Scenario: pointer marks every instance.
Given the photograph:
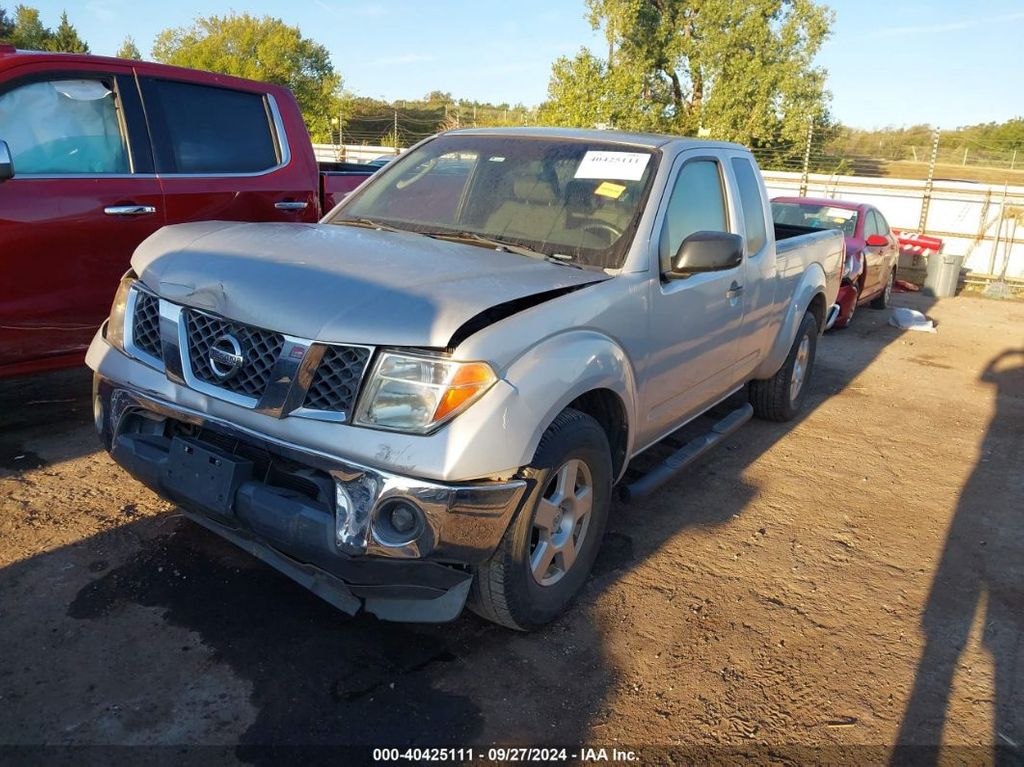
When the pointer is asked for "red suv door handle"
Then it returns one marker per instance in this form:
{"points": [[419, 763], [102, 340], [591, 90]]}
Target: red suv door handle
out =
{"points": [[289, 205], [129, 210]]}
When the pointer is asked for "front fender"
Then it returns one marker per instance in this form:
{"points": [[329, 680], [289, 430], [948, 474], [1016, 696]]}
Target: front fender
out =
{"points": [[552, 374], [810, 284]]}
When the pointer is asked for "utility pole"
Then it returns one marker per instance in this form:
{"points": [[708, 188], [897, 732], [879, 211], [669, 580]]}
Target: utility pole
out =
{"points": [[396, 132], [807, 159], [999, 231], [926, 199]]}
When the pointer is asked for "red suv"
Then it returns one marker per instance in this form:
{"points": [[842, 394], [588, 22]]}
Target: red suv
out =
{"points": [[96, 154]]}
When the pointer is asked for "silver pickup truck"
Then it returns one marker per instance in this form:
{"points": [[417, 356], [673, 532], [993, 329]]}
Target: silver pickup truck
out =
{"points": [[427, 398]]}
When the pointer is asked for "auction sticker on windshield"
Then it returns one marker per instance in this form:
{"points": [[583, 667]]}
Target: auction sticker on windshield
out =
{"points": [[619, 166]]}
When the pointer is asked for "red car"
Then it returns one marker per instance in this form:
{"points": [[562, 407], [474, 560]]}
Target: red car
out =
{"points": [[872, 250], [97, 153]]}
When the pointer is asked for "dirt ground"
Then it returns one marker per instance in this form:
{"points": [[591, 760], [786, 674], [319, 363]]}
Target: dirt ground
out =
{"points": [[854, 578]]}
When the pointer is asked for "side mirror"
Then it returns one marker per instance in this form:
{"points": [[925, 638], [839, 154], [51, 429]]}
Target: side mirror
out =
{"points": [[707, 252], [876, 241], [6, 162]]}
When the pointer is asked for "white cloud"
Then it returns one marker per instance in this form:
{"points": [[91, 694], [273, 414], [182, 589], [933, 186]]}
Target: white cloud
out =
{"points": [[949, 26]]}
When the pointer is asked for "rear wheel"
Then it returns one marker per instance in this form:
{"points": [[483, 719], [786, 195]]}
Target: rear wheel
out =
{"points": [[780, 397], [547, 552]]}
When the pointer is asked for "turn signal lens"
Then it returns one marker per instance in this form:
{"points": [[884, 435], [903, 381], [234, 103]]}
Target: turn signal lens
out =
{"points": [[115, 327], [469, 381]]}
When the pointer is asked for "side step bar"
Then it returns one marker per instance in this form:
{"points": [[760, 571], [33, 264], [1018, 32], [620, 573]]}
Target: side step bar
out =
{"points": [[686, 455]]}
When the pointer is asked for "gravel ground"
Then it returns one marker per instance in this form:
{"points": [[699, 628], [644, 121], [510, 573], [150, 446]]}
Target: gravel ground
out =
{"points": [[854, 578]]}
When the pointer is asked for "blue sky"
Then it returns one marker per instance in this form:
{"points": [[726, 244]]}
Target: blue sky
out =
{"points": [[945, 62]]}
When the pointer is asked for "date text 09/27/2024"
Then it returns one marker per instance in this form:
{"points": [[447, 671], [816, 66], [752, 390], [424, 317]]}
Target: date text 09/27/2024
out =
{"points": [[503, 754]]}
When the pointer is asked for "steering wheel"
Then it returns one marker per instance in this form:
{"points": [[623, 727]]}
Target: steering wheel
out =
{"points": [[409, 181], [611, 232]]}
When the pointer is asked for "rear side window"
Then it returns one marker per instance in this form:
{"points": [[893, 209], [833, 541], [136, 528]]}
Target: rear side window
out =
{"points": [[64, 127], [751, 203], [209, 130], [697, 204], [881, 225]]}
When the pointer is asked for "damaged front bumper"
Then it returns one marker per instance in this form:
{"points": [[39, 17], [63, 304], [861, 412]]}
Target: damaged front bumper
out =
{"points": [[359, 537]]}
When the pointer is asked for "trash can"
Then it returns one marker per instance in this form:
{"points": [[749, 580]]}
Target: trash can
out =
{"points": [[943, 275]]}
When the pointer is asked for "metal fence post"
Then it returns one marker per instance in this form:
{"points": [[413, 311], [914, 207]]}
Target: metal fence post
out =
{"points": [[807, 159], [926, 200]]}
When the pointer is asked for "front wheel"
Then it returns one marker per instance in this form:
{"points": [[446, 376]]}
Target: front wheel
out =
{"points": [[547, 552], [844, 322], [882, 299], [780, 397]]}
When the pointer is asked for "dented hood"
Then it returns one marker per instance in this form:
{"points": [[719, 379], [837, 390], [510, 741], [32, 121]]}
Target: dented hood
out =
{"points": [[342, 284]]}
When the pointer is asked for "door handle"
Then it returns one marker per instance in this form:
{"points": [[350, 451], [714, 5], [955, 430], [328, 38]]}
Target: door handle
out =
{"points": [[289, 205], [734, 290], [129, 210]]}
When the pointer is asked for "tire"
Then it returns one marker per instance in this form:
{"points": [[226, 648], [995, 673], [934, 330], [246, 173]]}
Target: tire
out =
{"points": [[881, 301], [515, 587], [778, 398]]}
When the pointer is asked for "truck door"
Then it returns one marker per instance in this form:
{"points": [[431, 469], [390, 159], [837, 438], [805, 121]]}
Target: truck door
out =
{"points": [[223, 153], [694, 321], [760, 269], [82, 197]]}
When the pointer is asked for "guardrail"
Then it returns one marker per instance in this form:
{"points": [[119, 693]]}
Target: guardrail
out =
{"points": [[352, 152]]}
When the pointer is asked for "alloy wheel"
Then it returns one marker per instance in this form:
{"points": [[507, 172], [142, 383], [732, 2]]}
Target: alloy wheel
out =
{"points": [[561, 521]]}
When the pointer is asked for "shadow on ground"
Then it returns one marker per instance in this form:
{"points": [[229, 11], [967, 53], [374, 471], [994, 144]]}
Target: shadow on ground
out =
{"points": [[981, 571]]}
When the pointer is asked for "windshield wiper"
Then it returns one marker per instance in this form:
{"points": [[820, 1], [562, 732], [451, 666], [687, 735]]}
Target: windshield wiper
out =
{"points": [[508, 247], [369, 223]]}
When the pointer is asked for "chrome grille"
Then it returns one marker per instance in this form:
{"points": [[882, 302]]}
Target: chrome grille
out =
{"points": [[146, 324], [260, 348], [337, 379]]}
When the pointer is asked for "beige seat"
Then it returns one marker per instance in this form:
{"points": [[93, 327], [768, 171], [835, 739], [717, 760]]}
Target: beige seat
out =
{"points": [[533, 213]]}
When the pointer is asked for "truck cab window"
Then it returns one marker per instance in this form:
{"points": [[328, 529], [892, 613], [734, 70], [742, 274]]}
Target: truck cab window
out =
{"points": [[63, 127], [697, 204], [202, 129], [752, 205]]}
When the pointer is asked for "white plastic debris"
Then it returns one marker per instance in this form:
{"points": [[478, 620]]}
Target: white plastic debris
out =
{"points": [[910, 319]]}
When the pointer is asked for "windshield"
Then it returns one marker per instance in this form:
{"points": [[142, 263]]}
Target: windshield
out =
{"points": [[575, 201], [815, 216]]}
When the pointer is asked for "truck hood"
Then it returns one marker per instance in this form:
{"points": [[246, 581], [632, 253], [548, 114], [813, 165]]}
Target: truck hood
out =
{"points": [[343, 284]]}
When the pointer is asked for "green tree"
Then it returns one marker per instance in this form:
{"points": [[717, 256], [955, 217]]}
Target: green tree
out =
{"points": [[740, 70], [260, 49], [6, 26], [65, 38], [129, 50], [29, 32]]}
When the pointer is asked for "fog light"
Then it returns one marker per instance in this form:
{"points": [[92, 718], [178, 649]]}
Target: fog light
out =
{"points": [[403, 519], [398, 523]]}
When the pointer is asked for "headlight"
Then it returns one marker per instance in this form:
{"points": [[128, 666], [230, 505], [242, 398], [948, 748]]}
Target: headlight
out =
{"points": [[418, 394], [115, 328]]}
